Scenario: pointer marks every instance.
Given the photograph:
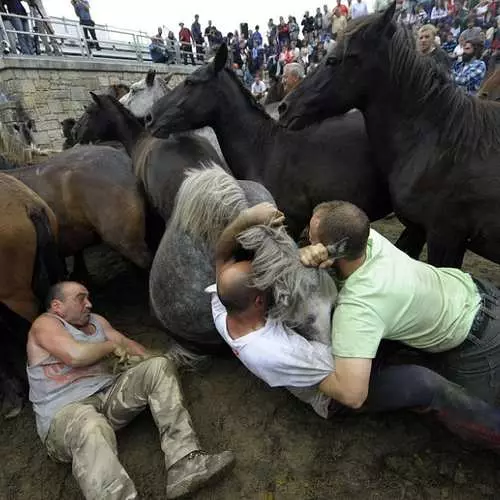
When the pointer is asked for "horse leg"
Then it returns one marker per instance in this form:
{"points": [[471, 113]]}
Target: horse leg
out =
{"points": [[444, 250], [412, 241], [80, 272], [127, 233]]}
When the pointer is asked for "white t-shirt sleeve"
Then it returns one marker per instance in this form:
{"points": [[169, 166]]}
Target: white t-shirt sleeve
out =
{"points": [[219, 312], [283, 358]]}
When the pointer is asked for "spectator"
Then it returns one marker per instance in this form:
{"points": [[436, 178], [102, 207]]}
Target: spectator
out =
{"points": [[272, 32], [185, 38], [82, 10], [259, 88], [343, 10], [198, 38], [8, 40], [257, 38], [439, 12], [380, 5], [459, 49], [327, 20], [293, 74], [456, 28], [20, 25], [359, 9], [157, 48], [172, 48], [318, 21], [307, 27], [473, 32], [283, 33], [210, 34], [481, 11], [43, 28], [293, 29], [339, 22], [428, 47], [450, 44], [469, 73]]}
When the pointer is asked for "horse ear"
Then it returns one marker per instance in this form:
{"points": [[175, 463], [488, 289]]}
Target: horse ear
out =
{"points": [[96, 98], [338, 249], [220, 58], [385, 25], [150, 77]]}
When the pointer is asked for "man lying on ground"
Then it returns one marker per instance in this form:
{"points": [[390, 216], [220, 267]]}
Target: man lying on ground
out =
{"points": [[281, 357], [79, 403]]}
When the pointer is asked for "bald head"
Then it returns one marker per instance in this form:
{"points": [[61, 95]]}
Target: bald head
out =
{"points": [[233, 287], [69, 300], [293, 74]]}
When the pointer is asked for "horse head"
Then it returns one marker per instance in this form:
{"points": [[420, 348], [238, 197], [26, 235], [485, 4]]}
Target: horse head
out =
{"points": [[144, 93], [24, 131], [346, 76], [302, 297], [491, 88], [187, 107]]}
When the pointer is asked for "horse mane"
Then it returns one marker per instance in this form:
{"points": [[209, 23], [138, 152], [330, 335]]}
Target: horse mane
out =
{"points": [[248, 95], [207, 201], [12, 149], [276, 266], [466, 124]]}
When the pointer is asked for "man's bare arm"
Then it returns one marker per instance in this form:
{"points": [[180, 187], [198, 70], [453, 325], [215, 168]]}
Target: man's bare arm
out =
{"points": [[119, 339], [263, 213], [51, 336]]}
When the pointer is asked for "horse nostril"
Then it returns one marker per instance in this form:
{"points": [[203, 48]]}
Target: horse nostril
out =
{"points": [[149, 119], [282, 108]]}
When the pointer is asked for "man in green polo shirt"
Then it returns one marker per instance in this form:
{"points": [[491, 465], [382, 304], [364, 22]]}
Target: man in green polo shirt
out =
{"points": [[384, 294]]}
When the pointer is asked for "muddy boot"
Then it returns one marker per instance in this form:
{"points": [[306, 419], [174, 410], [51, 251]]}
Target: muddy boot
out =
{"points": [[195, 470]]}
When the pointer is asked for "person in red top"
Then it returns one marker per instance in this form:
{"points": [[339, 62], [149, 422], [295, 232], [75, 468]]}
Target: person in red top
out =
{"points": [[185, 38], [344, 11]]}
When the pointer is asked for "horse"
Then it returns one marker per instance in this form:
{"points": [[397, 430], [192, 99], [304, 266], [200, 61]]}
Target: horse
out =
{"points": [[14, 151], [439, 147], [158, 163], [208, 200], [300, 168], [490, 89], [144, 93], [30, 264], [96, 197]]}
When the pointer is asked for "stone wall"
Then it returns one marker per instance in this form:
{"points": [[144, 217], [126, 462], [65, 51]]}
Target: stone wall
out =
{"points": [[49, 90]]}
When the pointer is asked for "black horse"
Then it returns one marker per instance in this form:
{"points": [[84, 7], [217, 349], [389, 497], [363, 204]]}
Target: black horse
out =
{"points": [[440, 147], [300, 169], [159, 163]]}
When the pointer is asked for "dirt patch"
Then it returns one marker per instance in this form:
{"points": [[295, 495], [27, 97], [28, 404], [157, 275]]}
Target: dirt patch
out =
{"points": [[284, 451]]}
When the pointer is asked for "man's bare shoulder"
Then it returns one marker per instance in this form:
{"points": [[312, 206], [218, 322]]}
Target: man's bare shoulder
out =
{"points": [[44, 321]]}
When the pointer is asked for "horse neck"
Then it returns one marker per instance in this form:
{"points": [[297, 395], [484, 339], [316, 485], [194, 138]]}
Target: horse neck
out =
{"points": [[128, 130], [243, 133]]}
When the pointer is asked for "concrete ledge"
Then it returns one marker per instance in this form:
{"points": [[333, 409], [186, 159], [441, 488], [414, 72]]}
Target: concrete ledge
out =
{"points": [[85, 64]]}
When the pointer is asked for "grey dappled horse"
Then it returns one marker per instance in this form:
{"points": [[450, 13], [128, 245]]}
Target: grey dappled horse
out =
{"points": [[184, 266], [144, 93]]}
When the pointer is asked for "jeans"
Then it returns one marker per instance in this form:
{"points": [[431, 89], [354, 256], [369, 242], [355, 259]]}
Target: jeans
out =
{"points": [[475, 364], [90, 32], [24, 40]]}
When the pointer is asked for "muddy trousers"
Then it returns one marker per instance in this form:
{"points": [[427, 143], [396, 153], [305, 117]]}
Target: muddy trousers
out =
{"points": [[421, 389], [83, 433]]}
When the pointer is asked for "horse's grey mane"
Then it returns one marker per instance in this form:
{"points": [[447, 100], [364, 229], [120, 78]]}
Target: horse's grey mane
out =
{"points": [[468, 125], [276, 266], [207, 201]]}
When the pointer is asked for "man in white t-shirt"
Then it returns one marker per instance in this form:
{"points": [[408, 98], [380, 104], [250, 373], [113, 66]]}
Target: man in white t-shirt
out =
{"points": [[281, 357], [258, 88]]}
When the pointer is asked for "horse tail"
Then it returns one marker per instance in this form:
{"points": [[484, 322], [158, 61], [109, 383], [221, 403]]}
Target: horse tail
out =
{"points": [[48, 268], [186, 360]]}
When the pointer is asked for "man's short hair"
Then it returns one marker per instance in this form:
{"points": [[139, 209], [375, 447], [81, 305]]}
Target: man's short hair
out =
{"points": [[428, 27], [339, 220], [237, 295], [56, 292], [296, 69]]}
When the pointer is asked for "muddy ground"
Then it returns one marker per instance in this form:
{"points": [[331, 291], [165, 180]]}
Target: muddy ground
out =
{"points": [[284, 451]]}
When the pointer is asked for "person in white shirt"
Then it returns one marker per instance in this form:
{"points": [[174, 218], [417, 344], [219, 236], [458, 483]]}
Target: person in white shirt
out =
{"points": [[283, 358], [359, 9], [258, 88]]}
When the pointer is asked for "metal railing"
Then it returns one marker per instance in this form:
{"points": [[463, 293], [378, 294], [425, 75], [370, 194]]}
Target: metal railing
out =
{"points": [[68, 38]]}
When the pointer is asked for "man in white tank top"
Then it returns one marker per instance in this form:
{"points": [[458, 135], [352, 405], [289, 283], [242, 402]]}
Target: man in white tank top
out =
{"points": [[79, 404]]}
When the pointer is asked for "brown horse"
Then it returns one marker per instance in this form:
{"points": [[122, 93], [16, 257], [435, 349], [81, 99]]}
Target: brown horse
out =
{"points": [[95, 196], [490, 89], [29, 264]]}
